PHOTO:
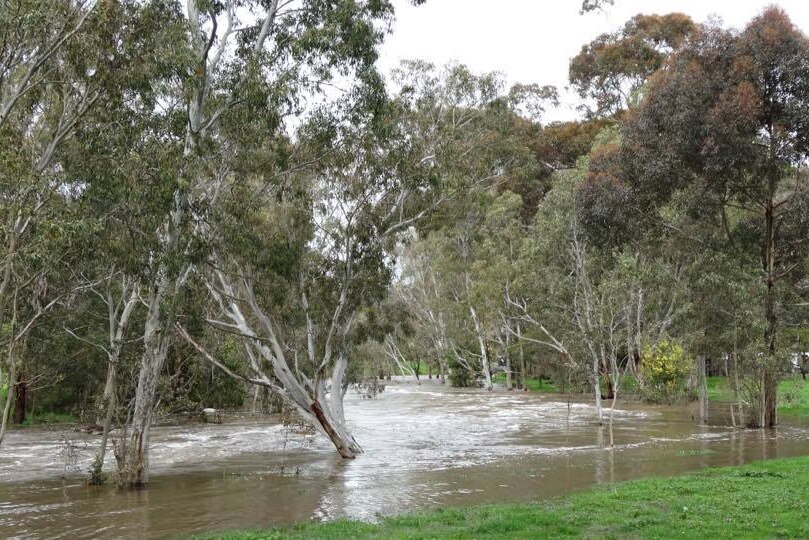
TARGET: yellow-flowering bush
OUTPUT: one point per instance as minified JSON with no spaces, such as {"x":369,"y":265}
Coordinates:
{"x":664,"y":369}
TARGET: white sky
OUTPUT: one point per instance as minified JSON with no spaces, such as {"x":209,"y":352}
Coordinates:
{"x":532,"y":41}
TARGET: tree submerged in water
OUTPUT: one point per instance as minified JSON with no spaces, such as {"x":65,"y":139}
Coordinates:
{"x":202,"y":199}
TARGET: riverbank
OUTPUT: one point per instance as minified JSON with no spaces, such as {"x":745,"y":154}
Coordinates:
{"x":793,"y":392}
{"x":427,"y":446}
{"x":793,"y":395}
{"x":764,"y":499}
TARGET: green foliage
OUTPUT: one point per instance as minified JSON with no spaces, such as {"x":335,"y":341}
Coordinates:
{"x":431,"y":215}
{"x":614,"y":66}
{"x":541,"y":385}
{"x":96,"y":476}
{"x":797,"y":339}
{"x":460,"y":376}
{"x":49,"y":417}
{"x":194,"y":384}
{"x":664,"y":369}
{"x":793,"y":394}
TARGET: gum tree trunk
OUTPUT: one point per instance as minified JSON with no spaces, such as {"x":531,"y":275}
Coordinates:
{"x":703,"y":389}
{"x":117,"y":331}
{"x":484,"y":354}
{"x":770,"y":382}
{"x":133,"y":456}
{"x":20,"y":391}
{"x":597,"y":390}
{"x":307,"y":396}
{"x":523,"y":373}
{"x":509,"y":386}
{"x":12,"y":373}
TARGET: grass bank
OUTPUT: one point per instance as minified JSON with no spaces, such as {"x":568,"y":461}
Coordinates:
{"x":543,"y":386}
{"x":766,"y":499}
{"x":44,"y":419}
{"x":49,"y":417}
{"x":793,"y":394}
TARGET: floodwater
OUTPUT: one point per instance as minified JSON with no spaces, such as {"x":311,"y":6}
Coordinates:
{"x":426,"y":446}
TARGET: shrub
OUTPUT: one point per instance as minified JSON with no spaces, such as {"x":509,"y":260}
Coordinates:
{"x":460,"y":376}
{"x":664,"y":370}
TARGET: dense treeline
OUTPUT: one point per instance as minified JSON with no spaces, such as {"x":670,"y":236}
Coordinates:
{"x":676,"y":243}
{"x":223,"y":204}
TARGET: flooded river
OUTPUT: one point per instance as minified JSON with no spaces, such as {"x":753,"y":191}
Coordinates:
{"x":425,"y":446}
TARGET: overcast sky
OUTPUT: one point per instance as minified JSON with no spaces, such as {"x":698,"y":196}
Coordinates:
{"x":532,"y":41}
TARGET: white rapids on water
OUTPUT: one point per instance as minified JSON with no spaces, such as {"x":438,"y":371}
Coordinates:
{"x":406,"y":427}
{"x":425,"y":445}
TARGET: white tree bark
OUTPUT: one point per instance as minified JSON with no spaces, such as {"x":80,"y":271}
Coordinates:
{"x":584,"y":313}
{"x":703,"y":388}
{"x":305,"y":395}
{"x":484,"y":354}
{"x":505,"y":342}
{"x":393,"y":352}
{"x":133,"y":457}
{"x":118,"y":321}
{"x":338,"y":389}
{"x":133,"y":454}
{"x":11,"y":367}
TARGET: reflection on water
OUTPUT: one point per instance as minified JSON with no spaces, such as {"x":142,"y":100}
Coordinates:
{"x":425,"y":446}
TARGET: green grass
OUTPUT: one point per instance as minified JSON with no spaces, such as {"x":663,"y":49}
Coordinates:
{"x":793,"y":394}
{"x":541,"y":385}
{"x":544,"y":386}
{"x":49,"y":418}
{"x":719,"y":389}
{"x":534,"y":384}
{"x":793,"y":397}
{"x":761,"y":500}
{"x":424,"y":370}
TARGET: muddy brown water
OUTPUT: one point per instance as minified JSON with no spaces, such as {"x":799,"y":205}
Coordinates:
{"x":426,"y":446}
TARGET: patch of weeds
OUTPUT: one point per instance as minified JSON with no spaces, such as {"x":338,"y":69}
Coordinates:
{"x":761,"y":474}
{"x":96,"y":476}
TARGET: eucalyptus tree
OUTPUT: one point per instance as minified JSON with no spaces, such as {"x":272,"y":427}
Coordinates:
{"x":44,"y":93}
{"x":33,"y":34}
{"x":492,"y":275}
{"x":248,"y":59}
{"x":418,"y":288}
{"x":650,"y":248}
{"x":56,"y":67}
{"x":727,"y":118}
{"x":406,"y":350}
{"x":478,"y":133}
{"x":113,"y":164}
{"x":591,"y":287}
{"x":356,"y":181}
{"x":34,"y":293}
{"x":558,"y":296}
{"x":472,"y":264}
{"x":609,"y":70}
